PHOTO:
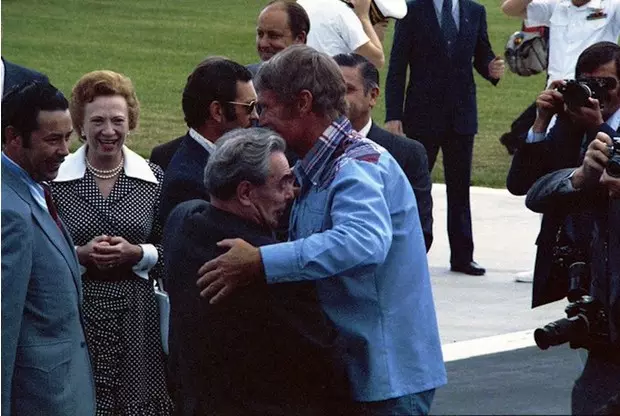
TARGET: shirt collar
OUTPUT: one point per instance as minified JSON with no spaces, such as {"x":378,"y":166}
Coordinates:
{"x":364,"y":130}
{"x":207,"y":144}
{"x":74,"y":166}
{"x":614,"y":120}
{"x":316,"y":159}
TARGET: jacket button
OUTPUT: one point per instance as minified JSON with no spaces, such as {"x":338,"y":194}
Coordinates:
{"x":83,"y":344}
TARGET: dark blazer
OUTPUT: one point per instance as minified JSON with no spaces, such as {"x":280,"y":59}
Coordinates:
{"x":253,"y":68}
{"x":411,"y":156}
{"x":562,"y":148}
{"x":15,"y":75}
{"x":46,"y":368}
{"x":264,"y":350}
{"x":162,"y":154}
{"x":550,"y":194}
{"x":441,"y":95}
{"x":184,"y":177}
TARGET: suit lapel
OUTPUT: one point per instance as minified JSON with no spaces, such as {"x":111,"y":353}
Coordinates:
{"x":465,"y":25}
{"x":59,"y":239}
{"x":433,"y":24}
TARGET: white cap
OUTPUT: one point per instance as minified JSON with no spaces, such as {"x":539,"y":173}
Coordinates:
{"x":396,"y":9}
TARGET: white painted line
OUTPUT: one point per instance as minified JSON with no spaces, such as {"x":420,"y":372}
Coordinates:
{"x":488,"y":345}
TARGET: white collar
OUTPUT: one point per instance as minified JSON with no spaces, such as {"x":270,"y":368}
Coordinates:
{"x":593,"y":4}
{"x":207,"y":144}
{"x":614,"y":120}
{"x":74,"y":166}
{"x":364,"y":130}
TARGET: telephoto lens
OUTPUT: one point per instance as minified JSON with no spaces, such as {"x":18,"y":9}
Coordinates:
{"x":560,"y":331}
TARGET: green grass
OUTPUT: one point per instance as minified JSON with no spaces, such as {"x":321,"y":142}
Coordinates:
{"x":157,"y":43}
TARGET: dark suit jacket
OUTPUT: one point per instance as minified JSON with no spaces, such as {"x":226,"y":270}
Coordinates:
{"x":15,"y":75}
{"x":184,"y":177}
{"x":562,"y":149}
{"x":264,"y":350}
{"x":253,"y":68}
{"x":550,"y":194}
{"x":162,"y":154}
{"x":441,"y":95}
{"x":46,"y":368}
{"x":411,"y":156}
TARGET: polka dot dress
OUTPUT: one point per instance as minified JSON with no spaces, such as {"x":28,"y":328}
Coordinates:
{"x":120,"y":309}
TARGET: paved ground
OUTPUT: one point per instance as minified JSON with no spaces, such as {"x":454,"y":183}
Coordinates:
{"x":486,"y":322}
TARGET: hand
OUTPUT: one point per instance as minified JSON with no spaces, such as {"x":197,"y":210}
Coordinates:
{"x":550,"y":101}
{"x":496,"y":67}
{"x":395,"y":127}
{"x":116,"y":251}
{"x":238,"y":267}
{"x":361,"y":8}
{"x":612,"y":184}
{"x":589,"y":117}
{"x":84,"y":252}
{"x":594,"y":162}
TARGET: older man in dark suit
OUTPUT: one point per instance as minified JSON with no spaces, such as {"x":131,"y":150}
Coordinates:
{"x":437,"y":41}
{"x":218,"y":97}
{"x":266,"y":350}
{"x":45,"y":363}
{"x":362,"y":79}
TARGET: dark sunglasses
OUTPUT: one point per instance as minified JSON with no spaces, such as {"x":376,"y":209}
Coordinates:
{"x":249,"y":107}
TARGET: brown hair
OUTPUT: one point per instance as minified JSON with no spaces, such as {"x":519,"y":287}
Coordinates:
{"x":102,"y":83}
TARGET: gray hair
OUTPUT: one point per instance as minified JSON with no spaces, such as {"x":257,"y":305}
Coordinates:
{"x":298,"y":68}
{"x":241,"y":155}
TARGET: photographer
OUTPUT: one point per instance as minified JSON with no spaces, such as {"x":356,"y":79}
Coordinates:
{"x":592,"y":189}
{"x":563,"y":146}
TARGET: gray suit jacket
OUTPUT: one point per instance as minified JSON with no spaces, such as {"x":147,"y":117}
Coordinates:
{"x":45,"y":363}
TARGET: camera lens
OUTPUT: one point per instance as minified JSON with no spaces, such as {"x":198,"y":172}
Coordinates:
{"x":561,"y":331}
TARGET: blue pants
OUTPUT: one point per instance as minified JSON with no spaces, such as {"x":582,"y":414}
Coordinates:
{"x":411,"y":404}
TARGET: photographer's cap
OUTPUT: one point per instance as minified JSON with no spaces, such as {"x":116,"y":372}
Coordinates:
{"x":395,"y":9}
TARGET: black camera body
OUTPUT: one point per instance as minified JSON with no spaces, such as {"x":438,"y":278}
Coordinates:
{"x":577,"y":92}
{"x":585,"y":326}
{"x":613,"y":165}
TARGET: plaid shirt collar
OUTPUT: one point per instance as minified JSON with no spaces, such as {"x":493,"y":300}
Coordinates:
{"x":316,"y":160}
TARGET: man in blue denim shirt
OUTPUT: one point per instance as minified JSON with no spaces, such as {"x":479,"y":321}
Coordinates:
{"x":355,"y":231}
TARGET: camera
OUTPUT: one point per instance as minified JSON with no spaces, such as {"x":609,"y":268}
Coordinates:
{"x":577,"y":92}
{"x":585,"y":326}
{"x":613,"y":165}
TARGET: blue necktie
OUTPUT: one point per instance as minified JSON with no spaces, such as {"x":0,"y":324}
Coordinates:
{"x":448,"y":26}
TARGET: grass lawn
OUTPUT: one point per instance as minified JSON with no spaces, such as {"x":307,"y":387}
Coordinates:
{"x":157,"y":43}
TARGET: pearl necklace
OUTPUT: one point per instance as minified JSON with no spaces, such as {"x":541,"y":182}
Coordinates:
{"x":104,"y":174}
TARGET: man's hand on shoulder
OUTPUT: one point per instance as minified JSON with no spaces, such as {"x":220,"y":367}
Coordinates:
{"x":394,"y":127}
{"x":240,"y":266}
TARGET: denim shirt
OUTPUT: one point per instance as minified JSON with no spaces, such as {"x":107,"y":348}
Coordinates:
{"x":355,"y":230}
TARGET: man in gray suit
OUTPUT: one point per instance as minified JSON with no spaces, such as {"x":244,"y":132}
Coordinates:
{"x":45,"y":363}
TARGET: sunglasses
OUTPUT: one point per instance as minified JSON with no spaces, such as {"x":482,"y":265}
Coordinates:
{"x":249,"y":107}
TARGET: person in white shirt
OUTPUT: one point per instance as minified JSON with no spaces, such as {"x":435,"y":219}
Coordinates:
{"x":340,"y":26}
{"x":574,"y":26}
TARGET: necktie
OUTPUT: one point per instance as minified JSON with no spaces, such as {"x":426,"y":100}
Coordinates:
{"x":448,"y":25}
{"x":51,"y":207}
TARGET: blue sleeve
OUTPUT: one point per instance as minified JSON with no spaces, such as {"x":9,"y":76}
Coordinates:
{"x":397,"y":70}
{"x":17,"y":243}
{"x":360,"y":235}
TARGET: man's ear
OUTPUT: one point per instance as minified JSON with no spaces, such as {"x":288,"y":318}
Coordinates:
{"x":301,"y":39}
{"x":12,"y":137}
{"x":374,"y":96}
{"x":304,"y":102}
{"x":244,"y":191}
{"x":216,"y":112}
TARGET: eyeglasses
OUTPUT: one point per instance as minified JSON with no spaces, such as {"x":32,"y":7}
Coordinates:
{"x":249,"y":107}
